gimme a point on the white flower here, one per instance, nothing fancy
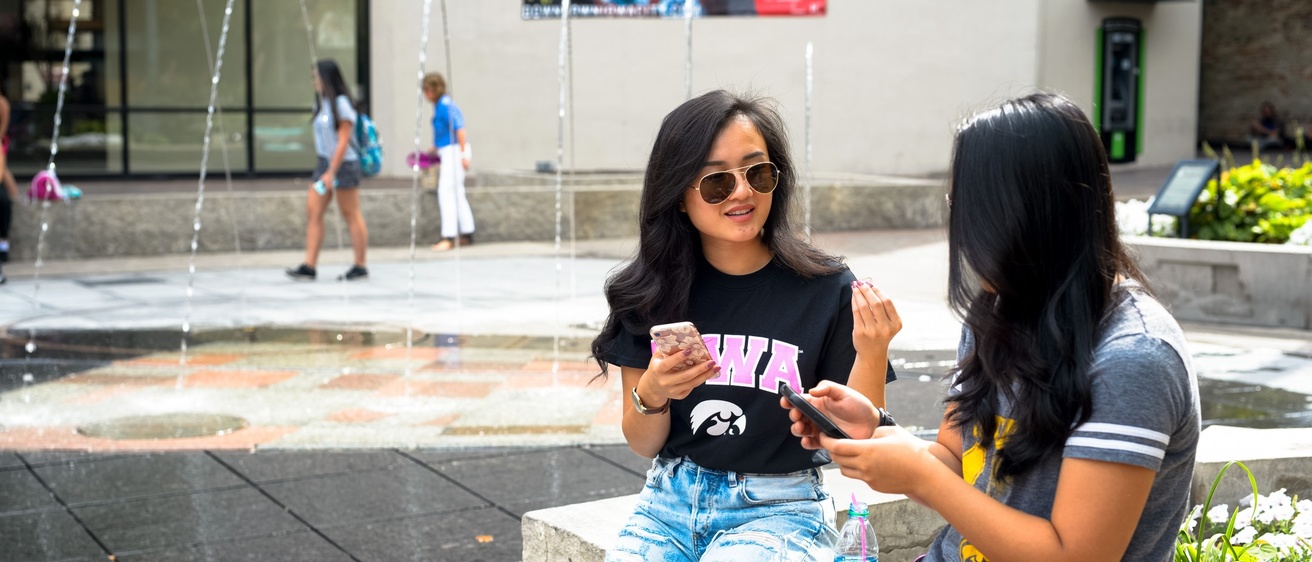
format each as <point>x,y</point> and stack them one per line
<point>1277,506</point>
<point>1244,517</point>
<point>1231,197</point>
<point>1281,540</point>
<point>1192,521</point>
<point>1302,236</point>
<point>1303,505</point>
<point>1244,536</point>
<point>1303,524</point>
<point>1219,514</point>
<point>1132,219</point>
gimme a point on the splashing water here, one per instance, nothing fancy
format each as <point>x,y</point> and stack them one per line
<point>50,167</point>
<point>200,186</point>
<point>414,181</point>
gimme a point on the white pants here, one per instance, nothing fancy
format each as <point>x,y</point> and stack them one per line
<point>451,193</point>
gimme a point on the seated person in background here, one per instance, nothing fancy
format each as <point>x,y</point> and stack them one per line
<point>1266,129</point>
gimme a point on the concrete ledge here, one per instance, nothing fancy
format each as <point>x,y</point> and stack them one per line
<point>506,208</point>
<point>1279,458</point>
<point>583,532</point>
<point>1230,282</point>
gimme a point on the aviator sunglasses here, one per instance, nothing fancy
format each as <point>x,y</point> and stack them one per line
<point>715,187</point>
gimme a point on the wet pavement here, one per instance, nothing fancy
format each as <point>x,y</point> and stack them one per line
<point>305,422</point>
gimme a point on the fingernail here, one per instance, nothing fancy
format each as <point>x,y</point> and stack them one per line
<point>687,352</point>
<point>856,284</point>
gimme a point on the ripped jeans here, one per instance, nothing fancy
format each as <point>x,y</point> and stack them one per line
<point>690,513</point>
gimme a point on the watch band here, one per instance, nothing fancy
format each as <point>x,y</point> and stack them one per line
<point>885,418</point>
<point>644,410</point>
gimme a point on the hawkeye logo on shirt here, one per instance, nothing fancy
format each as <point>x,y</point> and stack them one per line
<point>738,357</point>
<point>978,461</point>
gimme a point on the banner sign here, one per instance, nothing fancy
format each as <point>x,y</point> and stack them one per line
<point>550,9</point>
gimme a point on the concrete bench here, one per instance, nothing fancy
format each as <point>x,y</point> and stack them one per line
<point>1279,458</point>
<point>583,532</point>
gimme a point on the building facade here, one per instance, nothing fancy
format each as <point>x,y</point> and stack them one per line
<point>890,78</point>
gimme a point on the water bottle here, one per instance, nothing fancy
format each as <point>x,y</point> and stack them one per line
<point>322,189</point>
<point>856,542</point>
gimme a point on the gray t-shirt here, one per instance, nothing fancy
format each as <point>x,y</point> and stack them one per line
<point>1145,413</point>
<point>325,131</point>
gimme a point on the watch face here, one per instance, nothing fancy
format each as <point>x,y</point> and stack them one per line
<point>637,403</point>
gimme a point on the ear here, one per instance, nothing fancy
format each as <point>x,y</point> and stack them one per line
<point>683,206</point>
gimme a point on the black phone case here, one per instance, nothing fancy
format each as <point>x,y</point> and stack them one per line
<point>821,421</point>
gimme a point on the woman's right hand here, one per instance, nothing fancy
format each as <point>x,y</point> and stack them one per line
<point>874,319</point>
<point>661,383</point>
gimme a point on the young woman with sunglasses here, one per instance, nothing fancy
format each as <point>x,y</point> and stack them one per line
<point>718,247</point>
<point>1073,419</point>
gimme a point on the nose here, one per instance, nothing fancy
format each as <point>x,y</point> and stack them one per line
<point>740,185</point>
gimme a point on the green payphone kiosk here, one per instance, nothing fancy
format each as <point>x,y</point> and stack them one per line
<point>1118,98</point>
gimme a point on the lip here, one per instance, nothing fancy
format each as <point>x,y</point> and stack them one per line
<point>751,210</point>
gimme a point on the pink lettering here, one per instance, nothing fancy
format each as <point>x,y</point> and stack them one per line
<point>782,367</point>
<point>737,359</point>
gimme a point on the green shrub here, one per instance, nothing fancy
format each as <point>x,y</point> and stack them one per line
<point>1254,203</point>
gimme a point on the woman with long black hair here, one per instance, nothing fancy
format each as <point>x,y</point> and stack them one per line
<point>717,246</point>
<point>1073,418</point>
<point>337,171</point>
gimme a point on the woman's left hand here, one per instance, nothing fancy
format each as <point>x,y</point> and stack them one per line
<point>329,179</point>
<point>892,461</point>
<point>874,319</point>
<point>465,162</point>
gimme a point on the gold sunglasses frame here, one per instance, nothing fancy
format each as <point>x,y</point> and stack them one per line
<point>739,172</point>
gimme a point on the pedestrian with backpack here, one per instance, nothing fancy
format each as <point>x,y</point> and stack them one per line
<point>338,171</point>
<point>450,145</point>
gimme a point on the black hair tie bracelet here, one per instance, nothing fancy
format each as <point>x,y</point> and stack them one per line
<point>885,418</point>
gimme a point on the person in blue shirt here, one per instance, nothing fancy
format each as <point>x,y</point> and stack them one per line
<point>450,145</point>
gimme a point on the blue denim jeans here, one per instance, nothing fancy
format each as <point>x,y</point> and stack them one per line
<point>690,513</point>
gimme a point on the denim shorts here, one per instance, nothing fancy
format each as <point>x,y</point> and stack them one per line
<point>689,513</point>
<point>348,175</point>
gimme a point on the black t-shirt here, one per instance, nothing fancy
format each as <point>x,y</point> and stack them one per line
<point>760,328</point>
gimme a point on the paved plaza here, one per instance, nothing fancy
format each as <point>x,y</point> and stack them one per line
<point>345,443</point>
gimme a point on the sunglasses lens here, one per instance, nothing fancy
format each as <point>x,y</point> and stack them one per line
<point>762,177</point>
<point>717,187</point>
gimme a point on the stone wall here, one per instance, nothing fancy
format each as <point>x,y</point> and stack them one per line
<point>1254,51</point>
<point>505,209</point>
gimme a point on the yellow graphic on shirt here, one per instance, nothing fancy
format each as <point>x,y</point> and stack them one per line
<point>969,553</point>
<point>978,461</point>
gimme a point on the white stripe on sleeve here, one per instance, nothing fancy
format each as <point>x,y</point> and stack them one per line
<point>1115,445</point>
<point>1127,430</point>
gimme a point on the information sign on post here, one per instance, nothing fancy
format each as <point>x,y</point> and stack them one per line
<point>1181,190</point>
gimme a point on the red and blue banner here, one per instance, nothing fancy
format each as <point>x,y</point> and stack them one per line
<point>550,9</point>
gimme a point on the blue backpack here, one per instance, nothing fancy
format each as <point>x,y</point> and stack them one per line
<point>370,148</point>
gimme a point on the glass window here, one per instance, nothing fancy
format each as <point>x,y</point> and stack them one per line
<point>171,141</point>
<point>167,62</point>
<point>90,132</point>
<point>283,142</point>
<point>142,68</point>
<point>281,62</point>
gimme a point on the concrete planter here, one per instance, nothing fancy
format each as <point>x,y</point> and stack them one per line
<point>1230,282</point>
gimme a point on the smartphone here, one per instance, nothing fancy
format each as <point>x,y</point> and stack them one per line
<point>826,425</point>
<point>677,337</point>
